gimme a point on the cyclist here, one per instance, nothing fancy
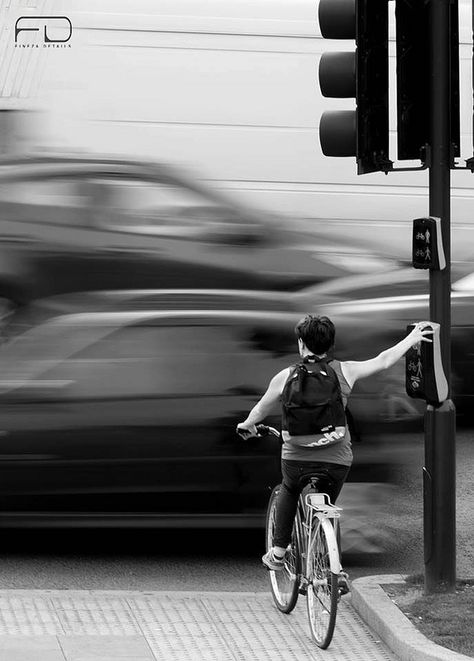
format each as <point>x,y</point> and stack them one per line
<point>301,456</point>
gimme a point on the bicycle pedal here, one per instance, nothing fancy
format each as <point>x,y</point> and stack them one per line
<point>302,590</point>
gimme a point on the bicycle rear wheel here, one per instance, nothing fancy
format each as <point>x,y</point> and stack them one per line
<point>323,590</point>
<point>285,582</point>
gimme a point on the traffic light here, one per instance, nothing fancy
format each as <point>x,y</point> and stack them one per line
<point>428,250</point>
<point>363,74</point>
<point>413,78</point>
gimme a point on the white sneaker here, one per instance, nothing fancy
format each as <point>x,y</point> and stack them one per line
<point>271,561</point>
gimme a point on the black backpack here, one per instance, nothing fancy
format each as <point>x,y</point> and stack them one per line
<point>312,400</point>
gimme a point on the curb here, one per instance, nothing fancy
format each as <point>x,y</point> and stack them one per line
<point>385,618</point>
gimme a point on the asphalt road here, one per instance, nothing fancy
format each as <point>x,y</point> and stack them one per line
<point>218,560</point>
<point>148,561</point>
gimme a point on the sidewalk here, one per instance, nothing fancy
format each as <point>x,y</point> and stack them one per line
<point>86,625</point>
<point>63,625</point>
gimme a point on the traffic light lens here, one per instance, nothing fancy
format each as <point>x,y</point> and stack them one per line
<point>337,75</point>
<point>337,19</point>
<point>337,133</point>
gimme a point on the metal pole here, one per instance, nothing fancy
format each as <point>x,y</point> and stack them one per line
<point>440,422</point>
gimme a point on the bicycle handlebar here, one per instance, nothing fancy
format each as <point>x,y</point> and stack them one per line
<point>262,430</point>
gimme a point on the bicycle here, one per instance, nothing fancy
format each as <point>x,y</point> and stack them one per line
<point>312,564</point>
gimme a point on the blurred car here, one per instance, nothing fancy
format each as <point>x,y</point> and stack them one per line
<point>384,284</point>
<point>367,325</point>
<point>79,223</point>
<point>120,408</point>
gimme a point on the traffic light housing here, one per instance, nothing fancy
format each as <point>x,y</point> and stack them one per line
<point>428,250</point>
<point>363,74</point>
<point>413,78</point>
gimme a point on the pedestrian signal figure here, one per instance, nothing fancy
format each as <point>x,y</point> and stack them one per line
<point>315,434</point>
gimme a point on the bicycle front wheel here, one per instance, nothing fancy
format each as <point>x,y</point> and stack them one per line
<point>323,590</point>
<point>285,582</point>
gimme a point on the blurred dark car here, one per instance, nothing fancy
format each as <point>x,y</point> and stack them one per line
<point>120,408</point>
<point>70,223</point>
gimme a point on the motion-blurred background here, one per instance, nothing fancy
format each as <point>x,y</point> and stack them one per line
<point>166,216</point>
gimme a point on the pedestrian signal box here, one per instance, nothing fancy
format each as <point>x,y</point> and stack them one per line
<point>428,252</point>
<point>424,374</point>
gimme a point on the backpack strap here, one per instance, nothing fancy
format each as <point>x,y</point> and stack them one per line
<point>300,372</point>
<point>303,370</point>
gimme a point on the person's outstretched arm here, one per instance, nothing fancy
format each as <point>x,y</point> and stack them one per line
<point>265,406</point>
<point>359,369</point>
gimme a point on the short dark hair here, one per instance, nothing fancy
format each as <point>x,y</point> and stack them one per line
<point>318,333</point>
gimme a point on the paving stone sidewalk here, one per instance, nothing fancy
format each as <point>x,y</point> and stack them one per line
<point>63,625</point>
